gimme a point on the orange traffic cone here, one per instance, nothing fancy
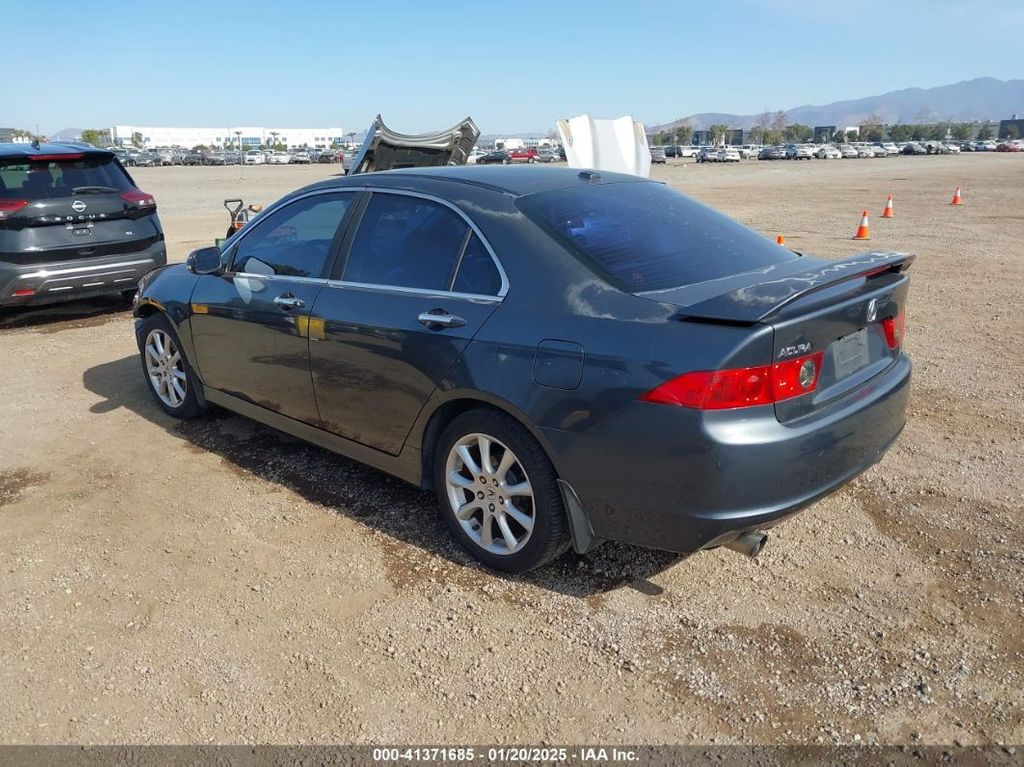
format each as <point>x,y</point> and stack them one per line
<point>863,233</point>
<point>956,197</point>
<point>887,213</point>
<point>780,240</point>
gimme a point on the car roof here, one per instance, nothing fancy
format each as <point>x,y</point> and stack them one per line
<point>517,180</point>
<point>28,150</point>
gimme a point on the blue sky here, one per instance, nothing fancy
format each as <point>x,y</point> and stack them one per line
<point>513,66</point>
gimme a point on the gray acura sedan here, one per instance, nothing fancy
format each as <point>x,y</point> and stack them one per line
<point>565,357</point>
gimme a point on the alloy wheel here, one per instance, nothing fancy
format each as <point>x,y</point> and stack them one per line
<point>165,368</point>
<point>490,494</point>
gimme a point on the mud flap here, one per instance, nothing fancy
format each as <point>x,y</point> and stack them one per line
<point>583,538</point>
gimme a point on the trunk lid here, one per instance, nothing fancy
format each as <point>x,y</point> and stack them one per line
<point>835,310</point>
<point>385,149</point>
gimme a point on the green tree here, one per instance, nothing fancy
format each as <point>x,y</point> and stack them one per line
<point>871,132</point>
<point>918,132</point>
<point>798,133</point>
<point>1011,132</point>
<point>985,131</point>
<point>937,132</point>
<point>779,121</point>
<point>899,132</point>
<point>717,132</point>
<point>961,131</point>
<point>684,133</point>
<point>772,136</point>
<point>96,137</point>
<point>137,140</point>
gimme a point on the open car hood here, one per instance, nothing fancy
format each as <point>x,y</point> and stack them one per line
<point>617,146</point>
<point>384,149</point>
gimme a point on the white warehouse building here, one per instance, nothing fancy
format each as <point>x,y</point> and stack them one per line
<point>231,137</point>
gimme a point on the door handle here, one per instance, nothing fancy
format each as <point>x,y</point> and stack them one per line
<point>440,319</point>
<point>288,301</point>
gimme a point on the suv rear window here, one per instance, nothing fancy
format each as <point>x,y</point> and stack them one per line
<point>26,179</point>
<point>644,236</point>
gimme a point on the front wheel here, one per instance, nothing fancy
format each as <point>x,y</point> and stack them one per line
<point>169,375</point>
<point>498,492</point>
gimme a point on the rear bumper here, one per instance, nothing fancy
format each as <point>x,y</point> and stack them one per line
<point>80,278</point>
<point>681,480</point>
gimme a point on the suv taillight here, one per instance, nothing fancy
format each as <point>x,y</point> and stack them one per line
<point>740,387</point>
<point>138,197</point>
<point>9,207</point>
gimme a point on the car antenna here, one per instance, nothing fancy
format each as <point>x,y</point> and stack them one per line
<point>35,142</point>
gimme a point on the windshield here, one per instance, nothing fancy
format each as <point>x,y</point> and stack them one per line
<point>645,236</point>
<point>24,178</point>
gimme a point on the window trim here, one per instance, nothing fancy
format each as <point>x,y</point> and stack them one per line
<point>329,261</point>
<point>341,263</point>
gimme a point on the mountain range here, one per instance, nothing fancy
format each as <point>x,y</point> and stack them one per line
<point>984,98</point>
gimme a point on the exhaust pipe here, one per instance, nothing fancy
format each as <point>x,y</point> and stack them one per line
<point>749,543</point>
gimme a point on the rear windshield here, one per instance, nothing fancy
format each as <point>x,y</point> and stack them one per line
<point>645,236</point>
<point>25,179</point>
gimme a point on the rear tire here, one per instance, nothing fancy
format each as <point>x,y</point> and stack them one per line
<point>499,493</point>
<point>166,370</point>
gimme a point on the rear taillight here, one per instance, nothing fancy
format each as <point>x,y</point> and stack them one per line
<point>740,387</point>
<point>23,292</point>
<point>138,197</point>
<point>894,328</point>
<point>9,207</point>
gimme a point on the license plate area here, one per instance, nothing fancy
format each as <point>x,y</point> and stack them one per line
<point>850,353</point>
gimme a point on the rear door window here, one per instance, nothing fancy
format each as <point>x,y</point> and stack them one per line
<point>293,241</point>
<point>27,179</point>
<point>644,236</point>
<point>407,242</point>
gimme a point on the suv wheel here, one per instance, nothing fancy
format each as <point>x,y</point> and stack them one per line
<point>498,492</point>
<point>168,374</point>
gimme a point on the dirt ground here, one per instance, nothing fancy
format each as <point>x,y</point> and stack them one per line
<point>216,581</point>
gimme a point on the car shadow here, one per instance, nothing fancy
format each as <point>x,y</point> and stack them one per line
<point>395,508</point>
<point>83,313</point>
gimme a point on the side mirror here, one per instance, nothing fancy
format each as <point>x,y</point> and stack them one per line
<point>206,261</point>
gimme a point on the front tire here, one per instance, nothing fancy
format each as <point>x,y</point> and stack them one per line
<point>498,492</point>
<point>167,372</point>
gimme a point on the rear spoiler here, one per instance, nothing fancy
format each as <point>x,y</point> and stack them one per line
<point>762,301</point>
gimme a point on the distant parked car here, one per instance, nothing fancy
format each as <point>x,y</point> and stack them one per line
<point>279,158</point>
<point>496,157</point>
<point>986,146</point>
<point>658,155</point>
<point>254,157</point>
<point>194,158</point>
<point>1010,146</point>
<point>828,152</point>
<point>772,153</point>
<point>846,151</point>
<point>528,154</point>
<point>799,152</point>
<point>728,154</point>
<point>301,157</point>
<point>686,150</point>
<point>547,155</point>
<point>914,148</point>
<point>145,160</point>
<point>165,156</point>
<point>671,150</point>
<point>708,154</point>
<point>749,151</point>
